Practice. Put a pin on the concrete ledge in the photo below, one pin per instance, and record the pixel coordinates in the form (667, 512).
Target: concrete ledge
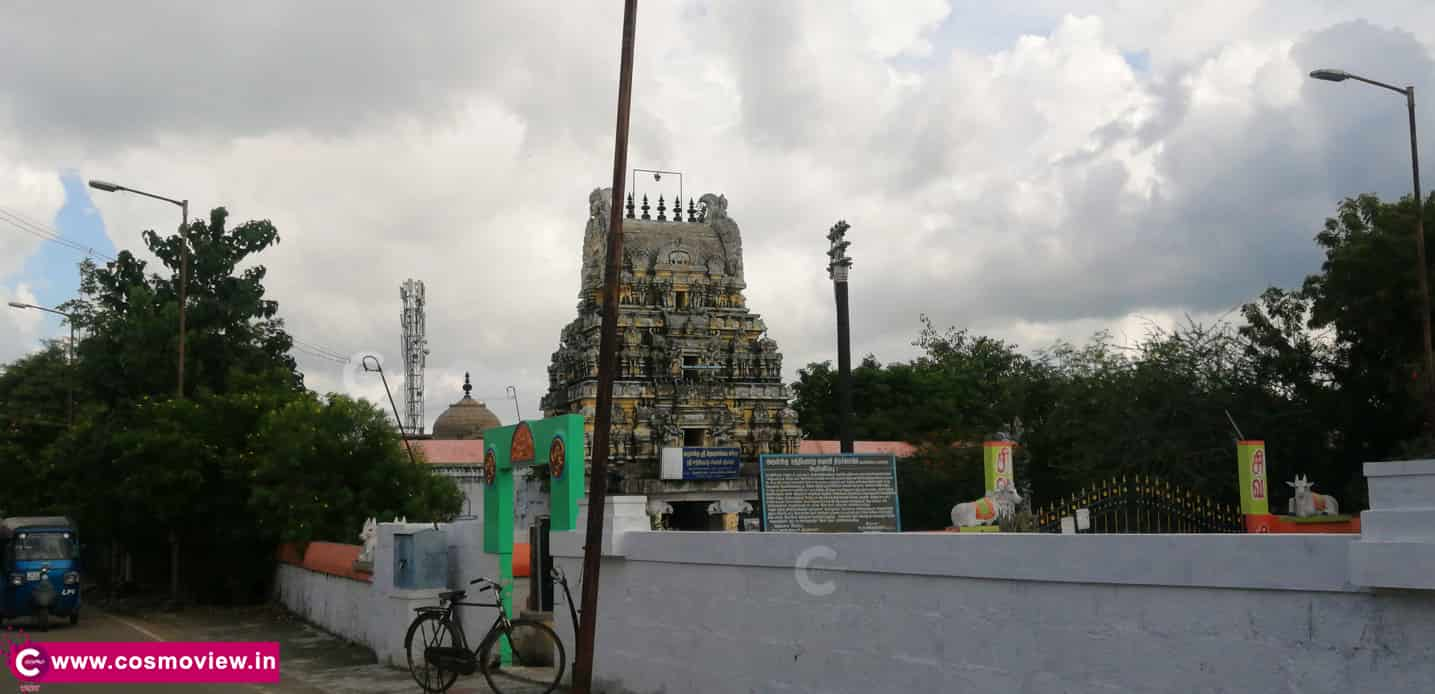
(1401, 484)
(1262, 562)
(1397, 468)
(622, 516)
(1393, 564)
(1398, 525)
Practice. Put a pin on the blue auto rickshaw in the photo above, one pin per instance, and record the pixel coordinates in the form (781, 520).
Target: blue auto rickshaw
(40, 563)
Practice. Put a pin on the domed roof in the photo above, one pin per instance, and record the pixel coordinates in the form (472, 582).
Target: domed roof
(465, 419)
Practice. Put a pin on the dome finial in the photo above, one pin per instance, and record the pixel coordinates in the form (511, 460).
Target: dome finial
(467, 386)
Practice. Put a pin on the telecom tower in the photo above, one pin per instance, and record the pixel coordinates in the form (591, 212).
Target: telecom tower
(415, 350)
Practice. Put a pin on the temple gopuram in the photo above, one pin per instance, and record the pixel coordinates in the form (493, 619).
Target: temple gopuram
(698, 394)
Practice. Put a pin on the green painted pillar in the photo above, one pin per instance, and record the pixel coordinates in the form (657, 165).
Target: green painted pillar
(556, 442)
(999, 463)
(566, 478)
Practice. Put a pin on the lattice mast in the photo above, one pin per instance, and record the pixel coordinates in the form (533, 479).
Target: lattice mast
(414, 344)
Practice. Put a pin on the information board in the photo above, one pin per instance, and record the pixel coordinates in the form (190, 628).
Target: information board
(833, 493)
(701, 463)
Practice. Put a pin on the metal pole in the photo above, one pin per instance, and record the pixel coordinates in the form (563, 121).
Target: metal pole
(837, 269)
(183, 285)
(844, 363)
(70, 377)
(1422, 270)
(380, 368)
(173, 567)
(607, 348)
(513, 392)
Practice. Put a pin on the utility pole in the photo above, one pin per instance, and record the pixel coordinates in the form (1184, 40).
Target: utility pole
(70, 368)
(109, 187)
(183, 292)
(397, 419)
(607, 349)
(513, 393)
(837, 269)
(1421, 268)
(179, 371)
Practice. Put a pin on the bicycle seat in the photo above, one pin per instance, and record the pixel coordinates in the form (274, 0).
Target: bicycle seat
(452, 595)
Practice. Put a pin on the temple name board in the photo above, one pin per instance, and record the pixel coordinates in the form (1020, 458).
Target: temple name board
(701, 463)
(853, 492)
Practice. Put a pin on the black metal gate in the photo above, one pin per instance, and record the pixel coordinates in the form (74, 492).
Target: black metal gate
(1142, 504)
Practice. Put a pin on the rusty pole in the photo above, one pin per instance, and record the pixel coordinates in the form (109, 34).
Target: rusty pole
(607, 348)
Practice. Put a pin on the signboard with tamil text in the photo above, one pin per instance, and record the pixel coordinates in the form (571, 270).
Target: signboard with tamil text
(701, 463)
(833, 493)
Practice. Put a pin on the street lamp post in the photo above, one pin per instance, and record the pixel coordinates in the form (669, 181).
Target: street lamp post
(837, 269)
(380, 368)
(513, 393)
(70, 371)
(1421, 269)
(183, 260)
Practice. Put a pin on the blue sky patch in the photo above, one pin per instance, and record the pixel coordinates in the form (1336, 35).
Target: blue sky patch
(52, 271)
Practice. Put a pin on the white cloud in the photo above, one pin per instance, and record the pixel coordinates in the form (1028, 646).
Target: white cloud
(20, 328)
(1044, 189)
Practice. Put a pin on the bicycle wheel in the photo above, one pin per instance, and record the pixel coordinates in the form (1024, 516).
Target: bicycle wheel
(428, 631)
(535, 659)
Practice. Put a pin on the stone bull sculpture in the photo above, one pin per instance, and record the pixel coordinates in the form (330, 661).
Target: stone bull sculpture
(1308, 503)
(996, 506)
(369, 536)
(658, 511)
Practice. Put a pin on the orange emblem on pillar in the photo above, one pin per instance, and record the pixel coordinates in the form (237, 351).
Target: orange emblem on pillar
(557, 458)
(522, 448)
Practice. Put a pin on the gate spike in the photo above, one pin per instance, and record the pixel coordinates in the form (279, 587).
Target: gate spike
(645, 206)
(661, 218)
(692, 211)
(630, 205)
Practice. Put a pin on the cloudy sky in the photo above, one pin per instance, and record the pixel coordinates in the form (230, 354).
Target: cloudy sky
(1032, 169)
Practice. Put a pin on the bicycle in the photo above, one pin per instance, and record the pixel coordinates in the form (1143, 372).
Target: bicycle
(516, 652)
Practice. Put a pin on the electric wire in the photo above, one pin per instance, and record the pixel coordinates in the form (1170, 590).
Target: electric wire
(23, 223)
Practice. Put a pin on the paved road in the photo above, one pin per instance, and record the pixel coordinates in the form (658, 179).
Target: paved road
(100, 626)
(310, 660)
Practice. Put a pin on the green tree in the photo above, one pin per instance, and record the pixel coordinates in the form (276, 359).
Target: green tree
(33, 392)
(962, 387)
(225, 471)
(323, 465)
(132, 318)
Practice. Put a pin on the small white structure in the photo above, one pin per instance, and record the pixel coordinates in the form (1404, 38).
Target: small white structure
(1307, 503)
(657, 512)
(996, 506)
(369, 536)
(729, 506)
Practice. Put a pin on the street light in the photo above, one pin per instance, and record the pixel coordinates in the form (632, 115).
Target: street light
(380, 368)
(69, 372)
(1331, 75)
(109, 187)
(513, 393)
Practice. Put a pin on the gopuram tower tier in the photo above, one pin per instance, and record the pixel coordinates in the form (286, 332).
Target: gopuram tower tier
(695, 367)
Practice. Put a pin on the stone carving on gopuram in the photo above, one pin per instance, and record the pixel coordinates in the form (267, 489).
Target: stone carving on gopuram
(694, 365)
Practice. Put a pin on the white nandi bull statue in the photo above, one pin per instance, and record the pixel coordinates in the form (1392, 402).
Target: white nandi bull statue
(997, 505)
(658, 511)
(369, 536)
(1308, 503)
(729, 506)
